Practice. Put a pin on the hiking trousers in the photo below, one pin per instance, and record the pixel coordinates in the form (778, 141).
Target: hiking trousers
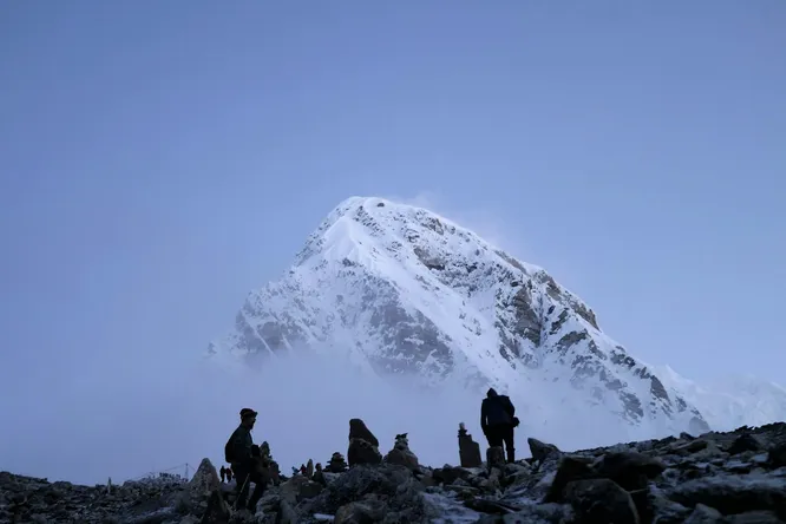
(500, 434)
(244, 476)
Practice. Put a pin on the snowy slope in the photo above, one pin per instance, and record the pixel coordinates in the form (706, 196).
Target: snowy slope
(731, 402)
(398, 289)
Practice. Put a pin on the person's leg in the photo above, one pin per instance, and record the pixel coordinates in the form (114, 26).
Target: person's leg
(510, 449)
(259, 489)
(494, 436)
(242, 478)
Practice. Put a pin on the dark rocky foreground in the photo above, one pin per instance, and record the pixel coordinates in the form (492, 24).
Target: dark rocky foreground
(737, 477)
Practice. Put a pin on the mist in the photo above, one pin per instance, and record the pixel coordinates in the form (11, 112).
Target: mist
(123, 419)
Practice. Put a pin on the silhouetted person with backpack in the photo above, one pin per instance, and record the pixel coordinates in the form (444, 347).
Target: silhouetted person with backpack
(239, 452)
(497, 419)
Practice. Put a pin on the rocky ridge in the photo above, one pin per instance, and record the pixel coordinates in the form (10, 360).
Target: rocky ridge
(398, 289)
(725, 478)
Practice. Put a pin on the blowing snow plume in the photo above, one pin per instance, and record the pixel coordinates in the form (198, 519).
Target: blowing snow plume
(398, 290)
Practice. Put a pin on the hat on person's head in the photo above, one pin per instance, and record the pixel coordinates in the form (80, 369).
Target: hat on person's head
(247, 412)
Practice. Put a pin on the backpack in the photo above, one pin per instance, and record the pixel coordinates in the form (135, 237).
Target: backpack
(229, 450)
(507, 405)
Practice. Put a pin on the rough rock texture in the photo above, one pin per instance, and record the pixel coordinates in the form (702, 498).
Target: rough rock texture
(32, 500)
(469, 450)
(204, 482)
(406, 291)
(495, 457)
(711, 478)
(401, 455)
(363, 445)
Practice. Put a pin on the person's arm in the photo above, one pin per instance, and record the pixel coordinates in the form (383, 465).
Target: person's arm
(483, 415)
(511, 408)
(248, 446)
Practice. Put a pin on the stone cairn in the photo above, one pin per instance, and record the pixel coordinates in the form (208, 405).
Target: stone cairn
(469, 450)
(266, 466)
(363, 445)
(336, 464)
(737, 477)
(401, 455)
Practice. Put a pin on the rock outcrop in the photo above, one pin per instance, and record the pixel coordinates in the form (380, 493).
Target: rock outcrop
(363, 445)
(198, 490)
(722, 478)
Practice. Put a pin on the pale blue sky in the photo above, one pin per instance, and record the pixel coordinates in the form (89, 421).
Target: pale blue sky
(160, 159)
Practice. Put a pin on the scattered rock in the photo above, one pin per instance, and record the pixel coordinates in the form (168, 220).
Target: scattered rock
(743, 443)
(360, 513)
(630, 470)
(601, 500)
(570, 469)
(731, 494)
(34, 500)
(704, 515)
(776, 457)
(541, 451)
(719, 478)
(495, 457)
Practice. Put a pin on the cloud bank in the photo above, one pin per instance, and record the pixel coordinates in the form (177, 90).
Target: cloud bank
(123, 420)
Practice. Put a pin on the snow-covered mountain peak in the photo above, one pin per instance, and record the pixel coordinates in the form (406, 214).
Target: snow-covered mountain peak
(364, 226)
(386, 237)
(399, 289)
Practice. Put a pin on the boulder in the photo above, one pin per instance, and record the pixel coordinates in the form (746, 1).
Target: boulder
(600, 500)
(200, 488)
(631, 470)
(363, 512)
(495, 457)
(743, 443)
(543, 452)
(362, 452)
(731, 494)
(363, 445)
(570, 469)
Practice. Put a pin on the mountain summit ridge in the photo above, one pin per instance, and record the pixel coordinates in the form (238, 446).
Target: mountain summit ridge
(399, 289)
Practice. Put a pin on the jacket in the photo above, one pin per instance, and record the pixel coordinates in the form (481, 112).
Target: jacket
(496, 411)
(241, 446)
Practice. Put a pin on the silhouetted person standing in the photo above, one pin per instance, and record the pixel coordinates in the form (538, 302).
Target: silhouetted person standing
(239, 453)
(223, 473)
(497, 419)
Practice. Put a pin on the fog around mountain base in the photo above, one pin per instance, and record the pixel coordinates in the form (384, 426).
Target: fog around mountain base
(123, 420)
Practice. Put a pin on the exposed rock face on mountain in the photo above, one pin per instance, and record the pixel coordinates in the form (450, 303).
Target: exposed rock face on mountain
(399, 289)
(723, 478)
